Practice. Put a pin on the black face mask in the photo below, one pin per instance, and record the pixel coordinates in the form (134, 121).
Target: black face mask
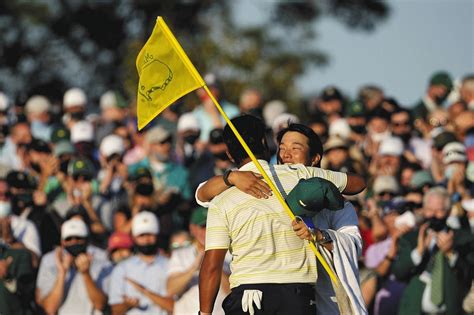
(191, 139)
(221, 156)
(76, 249)
(144, 189)
(437, 224)
(405, 137)
(36, 167)
(147, 250)
(359, 129)
(77, 116)
(21, 201)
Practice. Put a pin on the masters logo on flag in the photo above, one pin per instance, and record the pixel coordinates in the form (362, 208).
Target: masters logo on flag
(165, 74)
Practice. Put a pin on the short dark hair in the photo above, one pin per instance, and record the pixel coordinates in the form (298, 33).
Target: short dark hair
(314, 142)
(252, 130)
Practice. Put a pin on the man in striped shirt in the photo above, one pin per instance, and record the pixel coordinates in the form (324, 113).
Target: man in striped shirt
(268, 258)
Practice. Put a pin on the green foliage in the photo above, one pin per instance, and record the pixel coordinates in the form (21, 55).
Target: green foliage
(51, 45)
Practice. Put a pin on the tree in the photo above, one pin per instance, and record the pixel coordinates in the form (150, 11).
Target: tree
(50, 45)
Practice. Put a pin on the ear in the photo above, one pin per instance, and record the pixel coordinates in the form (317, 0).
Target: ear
(315, 160)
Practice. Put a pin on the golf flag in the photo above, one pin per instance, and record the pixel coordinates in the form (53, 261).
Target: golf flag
(165, 74)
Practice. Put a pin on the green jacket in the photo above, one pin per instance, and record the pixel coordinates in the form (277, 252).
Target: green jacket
(457, 279)
(17, 288)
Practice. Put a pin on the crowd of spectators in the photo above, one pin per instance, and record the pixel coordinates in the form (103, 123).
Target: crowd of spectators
(96, 217)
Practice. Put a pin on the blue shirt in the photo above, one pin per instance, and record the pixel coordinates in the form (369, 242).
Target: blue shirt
(152, 276)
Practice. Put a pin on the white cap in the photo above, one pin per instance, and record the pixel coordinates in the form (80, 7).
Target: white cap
(4, 102)
(340, 127)
(74, 227)
(282, 121)
(145, 223)
(108, 100)
(112, 144)
(37, 104)
(272, 110)
(188, 121)
(156, 134)
(385, 183)
(454, 152)
(391, 146)
(82, 131)
(74, 97)
(468, 205)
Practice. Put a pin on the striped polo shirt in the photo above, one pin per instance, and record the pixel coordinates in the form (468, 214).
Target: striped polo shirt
(258, 232)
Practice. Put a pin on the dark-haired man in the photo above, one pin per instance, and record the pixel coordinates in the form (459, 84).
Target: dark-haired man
(259, 236)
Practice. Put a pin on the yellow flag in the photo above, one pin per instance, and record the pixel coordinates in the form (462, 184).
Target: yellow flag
(165, 74)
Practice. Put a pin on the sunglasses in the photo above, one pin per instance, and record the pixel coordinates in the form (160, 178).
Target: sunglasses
(400, 123)
(385, 193)
(167, 140)
(74, 238)
(177, 245)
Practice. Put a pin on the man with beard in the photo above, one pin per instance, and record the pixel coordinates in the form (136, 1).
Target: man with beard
(138, 284)
(439, 87)
(72, 278)
(432, 260)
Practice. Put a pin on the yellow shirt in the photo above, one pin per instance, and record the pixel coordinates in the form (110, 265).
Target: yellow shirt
(258, 232)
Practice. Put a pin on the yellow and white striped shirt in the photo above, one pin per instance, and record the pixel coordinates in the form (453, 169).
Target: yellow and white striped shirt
(258, 232)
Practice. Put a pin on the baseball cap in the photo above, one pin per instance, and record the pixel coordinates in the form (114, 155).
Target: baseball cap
(312, 195)
(397, 204)
(37, 104)
(112, 144)
(355, 109)
(139, 172)
(60, 133)
(4, 102)
(74, 97)
(335, 142)
(157, 134)
(391, 146)
(81, 167)
(454, 152)
(145, 223)
(74, 227)
(340, 127)
(19, 179)
(82, 131)
(443, 138)
(119, 240)
(39, 145)
(331, 93)
(272, 110)
(442, 78)
(111, 99)
(385, 183)
(188, 121)
(63, 147)
(282, 121)
(215, 136)
(199, 216)
(420, 179)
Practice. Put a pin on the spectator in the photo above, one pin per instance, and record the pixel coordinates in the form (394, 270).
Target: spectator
(74, 106)
(138, 284)
(467, 91)
(250, 102)
(37, 110)
(433, 262)
(72, 279)
(14, 150)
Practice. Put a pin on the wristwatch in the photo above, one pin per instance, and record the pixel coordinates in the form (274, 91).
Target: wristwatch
(326, 238)
(226, 178)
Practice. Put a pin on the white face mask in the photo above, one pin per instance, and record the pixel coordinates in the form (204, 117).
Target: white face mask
(379, 136)
(5, 209)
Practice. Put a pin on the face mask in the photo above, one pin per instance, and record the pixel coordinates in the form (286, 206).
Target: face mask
(449, 171)
(437, 224)
(147, 250)
(144, 189)
(405, 137)
(39, 129)
(221, 156)
(77, 116)
(191, 139)
(440, 99)
(5, 209)
(160, 157)
(76, 249)
(20, 202)
(359, 129)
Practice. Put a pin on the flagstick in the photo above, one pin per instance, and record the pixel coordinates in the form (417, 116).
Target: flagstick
(269, 182)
